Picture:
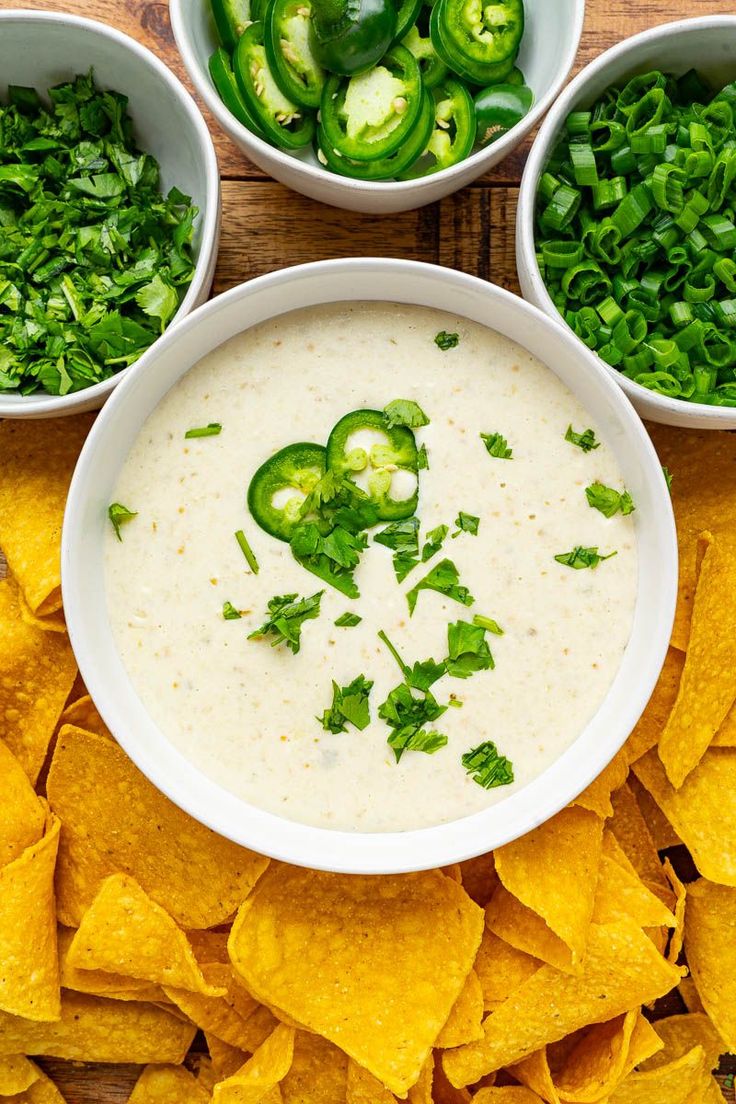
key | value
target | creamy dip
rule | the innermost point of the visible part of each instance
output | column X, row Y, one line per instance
column 245, row 712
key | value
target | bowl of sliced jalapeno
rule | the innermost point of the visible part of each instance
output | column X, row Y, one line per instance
column 377, row 105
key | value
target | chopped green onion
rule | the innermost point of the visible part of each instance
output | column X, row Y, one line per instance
column 247, row 551
column 214, row 429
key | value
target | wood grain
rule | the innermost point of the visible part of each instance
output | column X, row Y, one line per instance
column 265, row 227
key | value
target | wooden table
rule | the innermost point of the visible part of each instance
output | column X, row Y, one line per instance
column 265, row 226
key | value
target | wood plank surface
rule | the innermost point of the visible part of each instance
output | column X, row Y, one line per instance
column 265, row 226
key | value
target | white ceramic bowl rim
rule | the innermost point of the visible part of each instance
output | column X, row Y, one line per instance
column 396, row 187
column 717, row 416
column 11, row 405
column 91, row 636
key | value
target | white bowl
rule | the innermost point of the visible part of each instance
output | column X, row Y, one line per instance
column 707, row 44
column 86, row 522
column 548, row 50
column 46, row 48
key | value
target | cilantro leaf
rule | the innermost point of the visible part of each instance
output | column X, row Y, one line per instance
column 466, row 523
column 332, row 558
column 230, row 613
column 433, row 543
column 487, row 767
column 349, row 705
column 497, row 446
column 406, row 714
column 287, row 614
column 403, row 538
column 585, row 440
column 404, row 412
column 422, row 675
column 667, row 477
column 422, row 458
column 608, row 500
column 468, row 650
column 581, row 558
column 445, row 580
column 348, row 620
column 444, row 340
column 119, row 515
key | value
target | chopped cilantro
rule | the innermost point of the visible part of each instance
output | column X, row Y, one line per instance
column 349, row 705
column 444, row 340
column 348, row 620
column 433, row 543
column 667, row 477
column 585, row 440
column 214, row 429
column 422, row 675
column 402, row 537
column 405, row 412
column 229, row 612
column 608, row 500
column 581, row 558
column 422, row 458
column 332, row 558
column 466, row 523
column 287, row 614
column 247, row 551
column 407, row 715
column 487, row 767
column 119, row 515
column 468, row 650
column 488, row 624
column 444, row 579
column 497, row 445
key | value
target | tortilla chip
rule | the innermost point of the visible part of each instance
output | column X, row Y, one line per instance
column 318, row 1074
column 127, row 826
column 442, row 1091
column 479, row 878
column 261, row 1073
column 23, row 816
column 651, row 724
column 218, row 1016
column 597, row 1062
column 553, row 871
column 41, row 1091
column 53, row 622
column 690, row 996
column 501, row 969
column 29, row 973
column 82, row 713
column 168, row 1085
column 93, row 1029
column 98, row 983
column 363, row 1088
column 662, row 833
column 226, row 1060
column 679, row 1082
column 726, row 734
column 209, row 946
column 622, row 970
column 597, row 797
column 535, row 1074
column 680, row 1034
column 710, row 946
column 631, row 831
column 516, row 924
column 464, row 1022
column 125, row 932
column 621, row 893
column 702, row 811
column 17, row 1073
column 707, row 688
column 507, row 1094
column 680, row 891
column 37, row 458
column 37, row 670
column 340, row 954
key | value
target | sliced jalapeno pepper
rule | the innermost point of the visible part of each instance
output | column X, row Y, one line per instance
column 296, row 468
column 453, row 134
column 282, row 121
column 499, row 108
column 286, row 32
column 350, row 36
column 431, row 66
column 370, row 115
column 397, row 451
column 515, row 77
column 406, row 17
column 383, row 168
column 231, row 19
column 465, row 57
column 487, row 33
column 224, row 81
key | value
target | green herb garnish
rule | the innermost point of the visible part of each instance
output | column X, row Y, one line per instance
column 444, row 340
column 214, row 429
column 247, row 551
column 667, row 478
column 348, row 620
column 466, row 523
column 422, row 458
column 230, row 613
column 287, row 614
column 119, row 515
column 488, row 768
column 488, row 624
column 422, row 675
column 349, row 706
column 585, row 440
column 407, row 715
column 497, row 445
column 332, row 558
column 581, row 558
column 444, row 579
column 468, row 650
column 433, row 543
column 405, row 412
column 402, row 537
column 608, row 500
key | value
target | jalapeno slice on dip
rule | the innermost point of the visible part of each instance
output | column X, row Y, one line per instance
column 286, row 32
column 500, row 107
column 394, row 451
column 350, row 37
column 297, row 469
column 284, row 122
column 223, row 78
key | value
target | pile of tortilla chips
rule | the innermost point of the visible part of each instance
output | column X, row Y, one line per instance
column 517, row 977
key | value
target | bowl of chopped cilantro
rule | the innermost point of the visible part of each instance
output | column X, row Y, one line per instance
column 109, row 209
column 626, row 225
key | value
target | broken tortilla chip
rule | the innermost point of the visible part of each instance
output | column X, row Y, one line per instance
column 168, row 1085
column 340, row 953
column 464, row 1022
column 128, row 826
column 23, row 816
column 318, row 1073
column 363, row 1088
column 501, row 969
column 680, row 1082
column 710, row 946
column 261, row 1073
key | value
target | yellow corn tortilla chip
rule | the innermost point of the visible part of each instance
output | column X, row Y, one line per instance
column 621, row 893
column 203, row 1069
column 479, row 878
column 93, row 1029
column 127, row 826
column 23, row 816
column 52, row 622
column 217, row 1016
column 98, row 983
column 464, row 1022
column 597, row 797
column 209, row 946
column 37, row 670
column 597, row 1062
column 507, row 1094
column 501, row 969
column 622, row 970
column 261, row 1073
column 553, row 871
column 651, row 724
column 37, row 459
column 690, row 996
column 726, row 734
column 701, row 811
column 442, row 1091
column 17, row 1073
column 631, row 832
column 516, row 924
column 318, row 1074
column 82, row 713
column 421, row 1091
column 680, row 1082
column 535, row 1074
column 41, row 1091
column 339, row 954
column 168, row 1085
column 710, row 946
column 29, row 966
column 707, row 687
column 678, row 935
column 703, row 466
column 125, row 932
column 363, row 1088
column 226, row 1060
column 680, row 1034
column 662, row 833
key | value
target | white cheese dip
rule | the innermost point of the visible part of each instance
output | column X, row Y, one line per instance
column 244, row 712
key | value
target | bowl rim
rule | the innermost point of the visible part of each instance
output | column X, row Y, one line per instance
column 533, row 286
column 242, row 136
column 322, row 848
column 40, row 405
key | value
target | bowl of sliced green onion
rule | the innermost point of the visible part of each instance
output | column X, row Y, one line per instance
column 626, row 226
column 377, row 105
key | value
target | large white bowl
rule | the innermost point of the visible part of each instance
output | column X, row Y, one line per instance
column 707, row 44
column 46, row 48
column 548, row 50
column 86, row 522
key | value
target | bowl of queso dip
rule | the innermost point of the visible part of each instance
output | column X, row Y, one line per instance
column 373, row 570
